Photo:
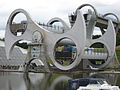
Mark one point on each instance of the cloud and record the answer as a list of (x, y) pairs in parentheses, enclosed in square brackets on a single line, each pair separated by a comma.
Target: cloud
[(44, 10), (2, 33)]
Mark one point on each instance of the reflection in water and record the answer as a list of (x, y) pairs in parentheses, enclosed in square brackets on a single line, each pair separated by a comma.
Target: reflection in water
[(60, 80), (47, 81), (111, 78), (11, 81), (32, 80)]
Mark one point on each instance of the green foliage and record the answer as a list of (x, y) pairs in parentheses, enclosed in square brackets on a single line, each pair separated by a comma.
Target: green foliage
[(111, 68), (2, 39), (118, 38), (96, 36), (22, 45), (118, 55), (118, 81), (49, 60)]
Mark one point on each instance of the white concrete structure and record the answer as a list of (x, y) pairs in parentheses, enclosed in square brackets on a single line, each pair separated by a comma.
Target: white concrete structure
[(48, 37), (15, 62), (47, 40)]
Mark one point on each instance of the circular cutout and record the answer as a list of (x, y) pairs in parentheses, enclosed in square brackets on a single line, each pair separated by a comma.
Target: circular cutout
[(37, 36), (34, 64), (65, 52), (99, 31), (18, 24), (113, 16), (98, 54), (84, 5), (57, 25)]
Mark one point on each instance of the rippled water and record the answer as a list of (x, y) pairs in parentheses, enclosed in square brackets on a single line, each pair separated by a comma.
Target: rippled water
[(47, 81)]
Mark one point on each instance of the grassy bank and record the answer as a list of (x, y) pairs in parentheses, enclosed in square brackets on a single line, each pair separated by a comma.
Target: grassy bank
[(118, 81), (118, 55), (118, 52)]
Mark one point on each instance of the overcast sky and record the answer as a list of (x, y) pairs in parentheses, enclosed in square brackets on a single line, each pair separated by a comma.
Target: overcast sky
[(44, 10)]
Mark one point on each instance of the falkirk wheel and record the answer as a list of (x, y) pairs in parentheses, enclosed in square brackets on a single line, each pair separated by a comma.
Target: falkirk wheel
[(65, 47)]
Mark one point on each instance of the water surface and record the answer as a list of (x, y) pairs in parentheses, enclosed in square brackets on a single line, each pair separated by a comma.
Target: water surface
[(47, 81)]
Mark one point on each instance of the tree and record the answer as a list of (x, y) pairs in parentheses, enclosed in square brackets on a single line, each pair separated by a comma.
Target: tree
[(96, 36), (22, 45), (118, 39)]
